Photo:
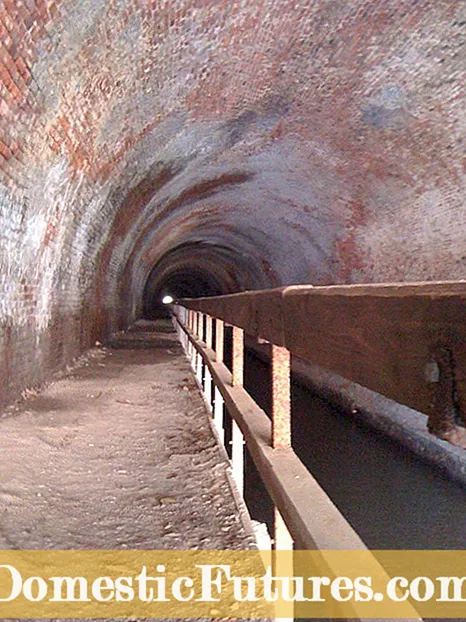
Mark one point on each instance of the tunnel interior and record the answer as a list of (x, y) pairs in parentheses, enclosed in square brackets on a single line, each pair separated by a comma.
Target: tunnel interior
[(195, 270), (182, 283), (213, 147)]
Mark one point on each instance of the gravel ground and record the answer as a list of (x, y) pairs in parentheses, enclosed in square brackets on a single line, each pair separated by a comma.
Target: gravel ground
[(117, 454)]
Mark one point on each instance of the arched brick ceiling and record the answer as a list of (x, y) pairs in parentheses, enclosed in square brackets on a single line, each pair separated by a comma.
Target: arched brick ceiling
[(315, 141)]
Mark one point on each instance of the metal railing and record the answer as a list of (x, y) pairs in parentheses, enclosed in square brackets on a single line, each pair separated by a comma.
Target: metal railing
[(304, 516), (404, 341), (291, 487)]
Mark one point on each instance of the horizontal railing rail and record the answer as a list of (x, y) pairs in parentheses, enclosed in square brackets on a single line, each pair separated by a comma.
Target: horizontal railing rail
[(405, 341)]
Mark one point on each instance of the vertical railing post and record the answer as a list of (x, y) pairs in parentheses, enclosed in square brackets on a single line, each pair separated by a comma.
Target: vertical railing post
[(185, 321), (190, 328), (237, 380), (208, 331), (218, 415), (281, 406), (200, 317), (208, 375), (237, 366), (193, 349), (219, 339), (282, 537), (237, 456), (282, 557), (281, 429), (218, 398), (208, 387)]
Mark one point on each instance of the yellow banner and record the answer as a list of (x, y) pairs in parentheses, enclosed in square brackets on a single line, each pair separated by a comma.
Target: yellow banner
[(238, 584)]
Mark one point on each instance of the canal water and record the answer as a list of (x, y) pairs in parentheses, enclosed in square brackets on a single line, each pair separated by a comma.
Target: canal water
[(392, 499)]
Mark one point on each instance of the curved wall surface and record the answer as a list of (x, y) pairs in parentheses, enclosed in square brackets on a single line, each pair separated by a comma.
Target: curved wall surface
[(237, 144)]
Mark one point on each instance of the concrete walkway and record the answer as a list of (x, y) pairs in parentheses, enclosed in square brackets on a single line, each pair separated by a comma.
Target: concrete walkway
[(117, 454)]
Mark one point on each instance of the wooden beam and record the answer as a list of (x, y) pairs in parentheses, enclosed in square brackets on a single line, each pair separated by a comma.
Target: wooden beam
[(406, 341), (257, 313)]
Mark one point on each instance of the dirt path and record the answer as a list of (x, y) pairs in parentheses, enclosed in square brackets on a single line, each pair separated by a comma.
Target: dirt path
[(118, 454)]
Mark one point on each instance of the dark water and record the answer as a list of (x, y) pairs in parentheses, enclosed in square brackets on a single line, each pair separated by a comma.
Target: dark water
[(391, 498)]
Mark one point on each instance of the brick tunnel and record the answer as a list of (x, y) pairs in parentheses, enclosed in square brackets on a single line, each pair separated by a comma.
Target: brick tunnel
[(236, 146), (201, 148)]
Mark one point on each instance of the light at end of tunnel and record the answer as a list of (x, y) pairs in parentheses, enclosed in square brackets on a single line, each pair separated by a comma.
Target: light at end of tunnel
[(167, 300)]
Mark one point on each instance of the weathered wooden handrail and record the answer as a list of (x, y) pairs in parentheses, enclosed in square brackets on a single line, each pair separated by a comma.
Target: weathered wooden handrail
[(405, 341), (289, 483), (304, 514)]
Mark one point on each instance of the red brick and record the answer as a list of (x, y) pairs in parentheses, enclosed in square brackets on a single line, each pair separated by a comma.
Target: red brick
[(263, 142)]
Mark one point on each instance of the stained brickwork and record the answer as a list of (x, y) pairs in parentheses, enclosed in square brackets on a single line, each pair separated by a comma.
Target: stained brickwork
[(299, 141)]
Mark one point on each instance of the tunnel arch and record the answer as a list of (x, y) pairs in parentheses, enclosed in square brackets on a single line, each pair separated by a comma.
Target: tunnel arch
[(198, 269), (319, 142)]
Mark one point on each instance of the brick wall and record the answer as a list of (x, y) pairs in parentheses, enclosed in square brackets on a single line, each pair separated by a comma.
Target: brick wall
[(308, 141)]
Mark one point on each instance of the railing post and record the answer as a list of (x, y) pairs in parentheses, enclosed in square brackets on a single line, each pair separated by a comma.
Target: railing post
[(193, 349), (281, 406), (237, 380), (282, 564), (282, 537), (219, 338), (237, 456), (208, 335), (281, 431), (208, 387), (198, 355), (201, 326), (208, 375), (218, 415), (237, 371), (199, 368), (185, 336), (218, 398), (190, 327)]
